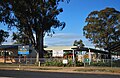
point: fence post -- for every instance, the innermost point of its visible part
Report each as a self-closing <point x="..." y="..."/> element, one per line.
<point x="19" y="63"/>
<point x="111" y="62"/>
<point x="39" y="63"/>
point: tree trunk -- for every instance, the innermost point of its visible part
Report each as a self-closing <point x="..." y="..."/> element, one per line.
<point x="109" y="54"/>
<point x="5" y="56"/>
<point x="39" y="46"/>
<point x="41" y="51"/>
<point x="109" y="57"/>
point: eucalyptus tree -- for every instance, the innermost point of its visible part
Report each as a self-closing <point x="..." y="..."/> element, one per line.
<point x="103" y="28"/>
<point x="34" y="18"/>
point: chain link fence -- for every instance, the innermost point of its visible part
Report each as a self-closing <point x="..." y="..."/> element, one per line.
<point x="59" y="62"/>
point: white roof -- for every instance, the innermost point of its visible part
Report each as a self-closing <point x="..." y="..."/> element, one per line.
<point x="60" y="48"/>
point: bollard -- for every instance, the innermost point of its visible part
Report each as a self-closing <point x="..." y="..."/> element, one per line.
<point x="39" y="63"/>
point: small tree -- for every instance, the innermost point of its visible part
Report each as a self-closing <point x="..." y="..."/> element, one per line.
<point x="78" y="43"/>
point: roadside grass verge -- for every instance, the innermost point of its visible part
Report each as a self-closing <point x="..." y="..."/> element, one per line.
<point x="26" y="66"/>
<point x="97" y="69"/>
<point x="49" y="68"/>
<point x="14" y="64"/>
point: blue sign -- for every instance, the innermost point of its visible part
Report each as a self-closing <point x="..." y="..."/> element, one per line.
<point x="23" y="49"/>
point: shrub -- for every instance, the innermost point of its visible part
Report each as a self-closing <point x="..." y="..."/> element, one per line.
<point x="53" y="63"/>
<point x="79" y="63"/>
<point x="70" y="63"/>
<point x="103" y="64"/>
<point x="116" y="63"/>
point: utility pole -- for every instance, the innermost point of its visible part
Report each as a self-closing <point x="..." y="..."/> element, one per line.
<point x="89" y="57"/>
<point x="74" y="57"/>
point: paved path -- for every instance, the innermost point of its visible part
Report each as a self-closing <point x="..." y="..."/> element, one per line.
<point x="31" y="74"/>
<point x="96" y="70"/>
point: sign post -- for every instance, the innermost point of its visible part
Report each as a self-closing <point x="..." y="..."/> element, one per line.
<point x="65" y="62"/>
<point x="23" y="50"/>
<point x="19" y="63"/>
<point x="86" y="59"/>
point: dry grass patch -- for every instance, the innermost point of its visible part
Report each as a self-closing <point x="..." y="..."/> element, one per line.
<point x="111" y="70"/>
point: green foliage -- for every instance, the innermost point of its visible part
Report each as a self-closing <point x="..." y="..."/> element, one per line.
<point x="78" y="43"/>
<point x="3" y="36"/>
<point x="116" y="63"/>
<point x="102" y="27"/>
<point x="102" y="64"/>
<point x="58" y="63"/>
<point x="70" y="63"/>
<point x="53" y="63"/>
<point x="20" y="38"/>
<point x="33" y="18"/>
<point x="79" y="63"/>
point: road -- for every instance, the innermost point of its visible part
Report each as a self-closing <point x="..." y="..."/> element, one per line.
<point x="35" y="74"/>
